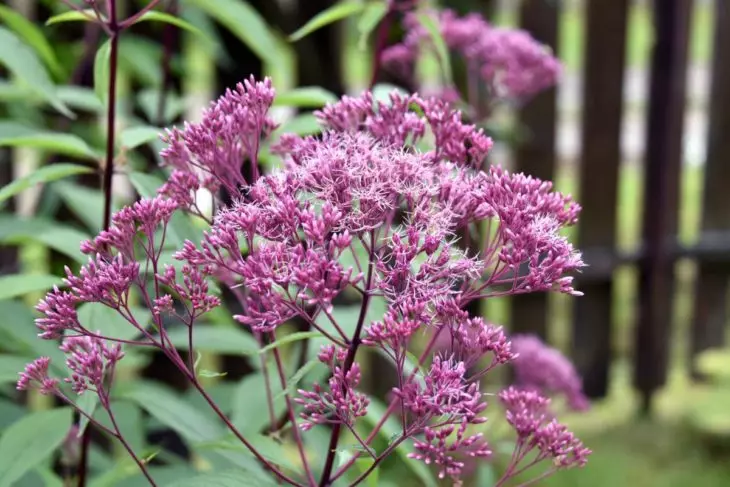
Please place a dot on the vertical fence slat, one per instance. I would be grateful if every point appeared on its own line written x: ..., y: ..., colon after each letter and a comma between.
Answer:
x: 712, y: 278
x: 601, y: 157
x: 663, y: 162
x: 536, y: 156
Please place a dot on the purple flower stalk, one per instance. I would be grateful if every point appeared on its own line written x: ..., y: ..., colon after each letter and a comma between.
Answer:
x: 374, y: 207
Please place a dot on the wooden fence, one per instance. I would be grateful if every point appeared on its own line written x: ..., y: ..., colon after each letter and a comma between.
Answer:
x: 604, y: 67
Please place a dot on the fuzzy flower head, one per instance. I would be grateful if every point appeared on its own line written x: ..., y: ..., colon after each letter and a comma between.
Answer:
x: 447, y: 451
x: 543, y: 368
x: 445, y: 392
x: 36, y: 374
x: 509, y: 62
x: 527, y: 413
x: 89, y: 359
x: 214, y: 151
x: 339, y: 402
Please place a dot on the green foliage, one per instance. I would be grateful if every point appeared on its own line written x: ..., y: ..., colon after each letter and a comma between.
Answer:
x: 174, y: 412
x: 43, y: 175
x: 14, y: 134
x: 33, y: 36
x: 337, y: 12
x: 101, y: 71
x: 305, y: 97
x: 23, y: 63
x: 15, y: 285
x: 28, y: 442
x: 369, y: 20
x: 230, y: 478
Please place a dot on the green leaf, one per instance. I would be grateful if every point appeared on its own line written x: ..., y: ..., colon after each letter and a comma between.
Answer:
x: 442, y: 51
x: 64, y: 239
x: 22, y: 62
x: 97, y: 317
x: 14, y: 134
x: 80, y: 98
x: 362, y: 465
x: 19, y: 335
x: 141, y: 59
x: 10, y: 366
x: 336, y: 12
x: 392, y: 428
x: 148, y: 101
x: 155, y: 16
x: 369, y: 20
x: 230, y: 478
x: 172, y: 411
x: 86, y: 203
x: 293, y: 337
x: 87, y: 403
x: 45, y: 174
x: 305, y: 97
x: 382, y: 92
x: 218, y: 339
x: 250, y: 411
x: 266, y: 446
x: 30, y: 441
x: 486, y: 476
x: 72, y: 16
x: 133, y: 137
x: 33, y: 36
x: 304, y: 124
x: 291, y: 384
x: 15, y: 285
x: 245, y: 23
x: 211, y: 373
x: 101, y: 71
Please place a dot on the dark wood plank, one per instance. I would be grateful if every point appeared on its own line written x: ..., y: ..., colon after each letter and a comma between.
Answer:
x: 663, y: 162
x: 710, y: 317
x: 536, y: 156
x: 600, y: 160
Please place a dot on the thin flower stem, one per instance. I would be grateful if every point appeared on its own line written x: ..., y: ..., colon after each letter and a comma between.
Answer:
x: 292, y: 417
x: 83, y: 12
x: 391, y: 407
x: 267, y: 380
x: 239, y: 294
x: 360, y: 440
x: 377, y: 461
x: 134, y: 18
x: 68, y: 401
x: 349, y: 360
x: 543, y: 475
x: 129, y: 449
x: 267, y: 464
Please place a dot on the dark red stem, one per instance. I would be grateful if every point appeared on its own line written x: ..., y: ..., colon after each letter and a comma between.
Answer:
x: 113, y: 29
x: 111, y: 112
x: 349, y: 360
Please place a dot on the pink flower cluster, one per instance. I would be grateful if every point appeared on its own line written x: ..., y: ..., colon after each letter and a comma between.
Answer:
x: 509, y: 62
x: 373, y: 208
x: 538, y: 432
x: 543, y: 368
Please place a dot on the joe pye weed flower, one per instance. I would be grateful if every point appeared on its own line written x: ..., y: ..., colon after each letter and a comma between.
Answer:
x: 378, y: 207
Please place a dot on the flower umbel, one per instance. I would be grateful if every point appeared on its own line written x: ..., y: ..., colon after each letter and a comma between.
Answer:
x: 359, y: 238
